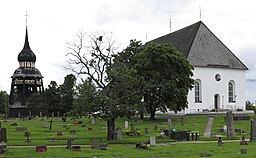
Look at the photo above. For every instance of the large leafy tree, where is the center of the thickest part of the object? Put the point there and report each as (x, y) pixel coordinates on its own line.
(166, 76)
(67, 92)
(86, 97)
(52, 97)
(4, 97)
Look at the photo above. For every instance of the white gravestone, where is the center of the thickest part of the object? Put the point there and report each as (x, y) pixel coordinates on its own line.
(126, 124)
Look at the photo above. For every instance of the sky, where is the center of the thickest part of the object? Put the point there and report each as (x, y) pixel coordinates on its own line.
(53, 23)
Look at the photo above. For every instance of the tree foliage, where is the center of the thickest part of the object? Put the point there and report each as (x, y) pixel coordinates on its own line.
(52, 97)
(4, 97)
(166, 76)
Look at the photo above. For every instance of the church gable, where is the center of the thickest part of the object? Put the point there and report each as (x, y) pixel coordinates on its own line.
(202, 47)
(207, 50)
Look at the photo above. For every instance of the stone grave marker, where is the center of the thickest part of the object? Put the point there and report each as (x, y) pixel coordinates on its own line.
(83, 125)
(95, 144)
(119, 134)
(41, 148)
(243, 151)
(58, 114)
(146, 130)
(69, 143)
(40, 114)
(19, 115)
(225, 128)
(152, 141)
(230, 124)
(3, 137)
(169, 121)
(52, 114)
(21, 128)
(72, 132)
(93, 120)
(253, 131)
(46, 125)
(132, 126)
(27, 134)
(126, 125)
(14, 124)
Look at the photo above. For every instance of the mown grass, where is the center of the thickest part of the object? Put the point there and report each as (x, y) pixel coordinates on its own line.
(125, 147)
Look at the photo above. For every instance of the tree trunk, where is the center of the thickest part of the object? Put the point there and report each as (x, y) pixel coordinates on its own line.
(152, 114)
(111, 129)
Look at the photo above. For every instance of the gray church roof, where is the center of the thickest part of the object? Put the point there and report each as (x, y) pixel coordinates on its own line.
(201, 47)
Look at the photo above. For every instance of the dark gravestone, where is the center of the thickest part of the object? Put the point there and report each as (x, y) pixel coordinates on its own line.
(3, 137)
(230, 124)
(103, 146)
(59, 133)
(95, 144)
(253, 131)
(69, 143)
(146, 130)
(243, 151)
(72, 132)
(27, 134)
(14, 124)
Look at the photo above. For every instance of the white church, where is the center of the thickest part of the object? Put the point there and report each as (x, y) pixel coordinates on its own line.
(219, 75)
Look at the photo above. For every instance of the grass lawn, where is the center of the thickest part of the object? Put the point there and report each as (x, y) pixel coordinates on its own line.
(17, 147)
(177, 150)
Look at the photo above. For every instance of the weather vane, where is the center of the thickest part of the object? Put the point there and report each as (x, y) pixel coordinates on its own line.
(26, 18)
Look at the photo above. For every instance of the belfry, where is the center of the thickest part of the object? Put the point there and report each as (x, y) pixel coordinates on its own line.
(26, 82)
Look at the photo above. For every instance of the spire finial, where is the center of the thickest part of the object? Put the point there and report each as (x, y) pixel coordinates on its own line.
(170, 20)
(200, 13)
(26, 18)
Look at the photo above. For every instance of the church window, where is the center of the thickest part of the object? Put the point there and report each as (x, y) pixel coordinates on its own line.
(198, 91)
(22, 64)
(231, 92)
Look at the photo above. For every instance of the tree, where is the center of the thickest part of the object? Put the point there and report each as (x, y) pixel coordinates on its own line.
(4, 97)
(52, 97)
(67, 92)
(90, 56)
(166, 76)
(86, 97)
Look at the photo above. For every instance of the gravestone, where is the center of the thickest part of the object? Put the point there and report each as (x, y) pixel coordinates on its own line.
(14, 124)
(40, 114)
(93, 120)
(230, 124)
(41, 148)
(72, 131)
(59, 133)
(243, 151)
(83, 125)
(126, 125)
(225, 128)
(169, 121)
(46, 125)
(69, 143)
(152, 141)
(95, 144)
(3, 137)
(21, 128)
(132, 126)
(50, 124)
(52, 114)
(19, 115)
(146, 130)
(253, 131)
(58, 114)
(29, 115)
(27, 134)
(119, 134)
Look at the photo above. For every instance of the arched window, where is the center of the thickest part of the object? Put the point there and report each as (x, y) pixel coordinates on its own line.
(231, 92)
(198, 91)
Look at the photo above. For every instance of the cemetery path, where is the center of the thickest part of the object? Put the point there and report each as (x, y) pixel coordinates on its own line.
(208, 127)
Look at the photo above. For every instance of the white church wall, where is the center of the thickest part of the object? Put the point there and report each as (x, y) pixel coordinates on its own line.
(210, 87)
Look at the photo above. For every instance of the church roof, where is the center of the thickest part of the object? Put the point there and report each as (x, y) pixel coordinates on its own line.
(27, 72)
(26, 54)
(201, 47)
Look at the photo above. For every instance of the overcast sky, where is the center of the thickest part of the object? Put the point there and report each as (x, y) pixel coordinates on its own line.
(53, 23)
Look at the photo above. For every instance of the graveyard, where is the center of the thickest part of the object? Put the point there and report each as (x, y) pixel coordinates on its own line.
(86, 137)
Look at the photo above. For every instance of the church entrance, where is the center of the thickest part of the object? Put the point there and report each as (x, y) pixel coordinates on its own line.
(216, 101)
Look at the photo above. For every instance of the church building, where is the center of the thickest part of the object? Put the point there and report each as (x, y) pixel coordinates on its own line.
(218, 74)
(26, 82)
